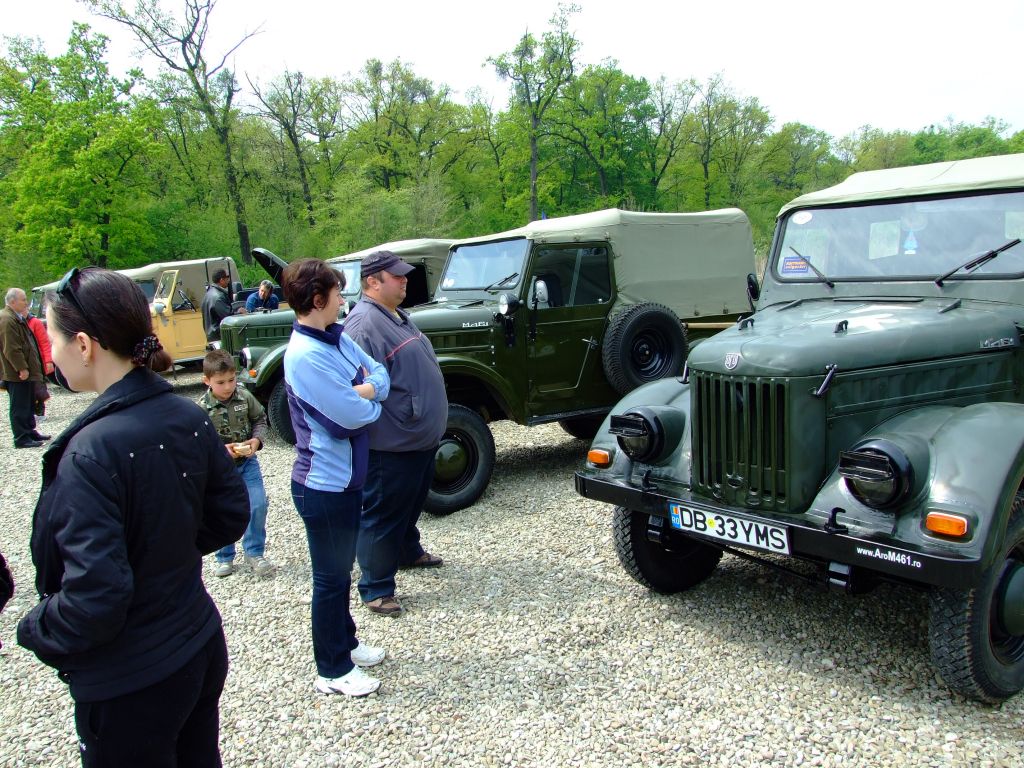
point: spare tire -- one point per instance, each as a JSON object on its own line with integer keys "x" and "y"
{"x": 644, "y": 342}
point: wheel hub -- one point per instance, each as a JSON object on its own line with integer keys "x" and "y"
{"x": 1010, "y": 599}
{"x": 450, "y": 461}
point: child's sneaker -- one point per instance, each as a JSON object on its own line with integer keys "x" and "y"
{"x": 224, "y": 569}
{"x": 260, "y": 565}
{"x": 364, "y": 655}
{"x": 355, "y": 683}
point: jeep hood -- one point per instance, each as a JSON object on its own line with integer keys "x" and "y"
{"x": 802, "y": 339}
{"x": 454, "y": 315}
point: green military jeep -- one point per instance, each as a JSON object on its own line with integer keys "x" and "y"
{"x": 556, "y": 320}
{"x": 868, "y": 418}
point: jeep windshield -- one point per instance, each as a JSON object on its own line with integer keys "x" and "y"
{"x": 350, "y": 269}
{"x": 904, "y": 240}
{"x": 490, "y": 266}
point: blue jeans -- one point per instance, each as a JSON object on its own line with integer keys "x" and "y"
{"x": 332, "y": 525}
{"x": 254, "y": 541}
{"x": 396, "y": 487}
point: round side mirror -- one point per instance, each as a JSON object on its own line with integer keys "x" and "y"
{"x": 540, "y": 292}
{"x": 159, "y": 307}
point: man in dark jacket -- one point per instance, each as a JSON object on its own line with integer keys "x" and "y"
{"x": 216, "y": 304}
{"x": 21, "y": 367}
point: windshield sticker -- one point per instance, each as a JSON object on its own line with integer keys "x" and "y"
{"x": 794, "y": 265}
{"x": 802, "y": 217}
{"x": 448, "y": 282}
{"x": 910, "y": 244}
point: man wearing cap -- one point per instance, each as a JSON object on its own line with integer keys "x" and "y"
{"x": 403, "y": 440}
{"x": 216, "y": 304}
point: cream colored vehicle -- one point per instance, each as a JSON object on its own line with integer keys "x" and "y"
{"x": 177, "y": 301}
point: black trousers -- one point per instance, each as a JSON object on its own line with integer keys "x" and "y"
{"x": 172, "y": 724}
{"x": 23, "y": 419}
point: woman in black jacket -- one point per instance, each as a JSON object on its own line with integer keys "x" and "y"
{"x": 135, "y": 491}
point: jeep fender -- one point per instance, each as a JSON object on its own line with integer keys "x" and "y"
{"x": 664, "y": 392}
{"x": 973, "y": 463}
{"x": 268, "y": 369}
{"x": 471, "y": 369}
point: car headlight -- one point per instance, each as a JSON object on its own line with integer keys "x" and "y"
{"x": 245, "y": 358}
{"x": 507, "y": 304}
{"x": 648, "y": 434}
{"x": 878, "y": 473}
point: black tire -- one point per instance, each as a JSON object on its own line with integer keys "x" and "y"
{"x": 663, "y": 569}
{"x": 976, "y": 654}
{"x": 278, "y": 414}
{"x": 644, "y": 342}
{"x": 464, "y": 463}
{"x": 582, "y": 427}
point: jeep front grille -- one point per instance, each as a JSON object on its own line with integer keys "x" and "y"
{"x": 739, "y": 439}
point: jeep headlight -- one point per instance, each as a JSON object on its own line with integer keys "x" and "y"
{"x": 648, "y": 434}
{"x": 878, "y": 473}
{"x": 245, "y": 358}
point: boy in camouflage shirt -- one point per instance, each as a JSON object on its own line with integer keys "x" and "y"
{"x": 242, "y": 424}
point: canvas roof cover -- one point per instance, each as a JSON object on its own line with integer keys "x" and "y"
{"x": 977, "y": 174}
{"x": 694, "y": 263}
{"x": 434, "y": 249}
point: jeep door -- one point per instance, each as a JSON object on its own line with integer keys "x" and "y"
{"x": 564, "y": 360}
{"x": 177, "y": 321}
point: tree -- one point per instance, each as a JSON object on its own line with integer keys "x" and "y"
{"x": 181, "y": 48}
{"x": 78, "y": 191}
{"x": 287, "y": 104}
{"x": 664, "y": 132}
{"x": 539, "y": 70}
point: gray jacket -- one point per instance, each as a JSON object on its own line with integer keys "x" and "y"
{"x": 416, "y": 411}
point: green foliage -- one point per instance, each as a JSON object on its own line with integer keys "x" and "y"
{"x": 102, "y": 171}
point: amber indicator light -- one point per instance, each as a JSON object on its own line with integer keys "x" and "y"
{"x": 947, "y": 525}
{"x": 599, "y": 457}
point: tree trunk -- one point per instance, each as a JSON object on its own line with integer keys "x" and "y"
{"x": 236, "y": 199}
{"x": 534, "y": 156}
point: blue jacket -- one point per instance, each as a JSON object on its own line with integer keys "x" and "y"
{"x": 135, "y": 491}
{"x": 320, "y": 369}
{"x": 254, "y": 302}
{"x": 416, "y": 413}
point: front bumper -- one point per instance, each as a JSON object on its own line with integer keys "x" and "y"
{"x": 808, "y": 540}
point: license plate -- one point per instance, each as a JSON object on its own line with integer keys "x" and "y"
{"x": 730, "y": 530}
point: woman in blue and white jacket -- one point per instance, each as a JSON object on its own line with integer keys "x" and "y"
{"x": 334, "y": 392}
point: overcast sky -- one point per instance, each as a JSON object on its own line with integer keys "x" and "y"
{"x": 893, "y": 64}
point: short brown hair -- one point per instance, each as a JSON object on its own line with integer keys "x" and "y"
{"x": 217, "y": 361}
{"x": 303, "y": 280}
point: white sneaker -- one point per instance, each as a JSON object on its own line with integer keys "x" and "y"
{"x": 364, "y": 655}
{"x": 355, "y": 683}
{"x": 261, "y": 567}
{"x": 224, "y": 569}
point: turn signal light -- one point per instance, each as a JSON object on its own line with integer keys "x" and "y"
{"x": 946, "y": 524}
{"x": 252, "y": 372}
{"x": 599, "y": 457}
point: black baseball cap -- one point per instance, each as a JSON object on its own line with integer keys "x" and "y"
{"x": 383, "y": 261}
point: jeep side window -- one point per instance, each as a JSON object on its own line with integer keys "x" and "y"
{"x": 574, "y": 276}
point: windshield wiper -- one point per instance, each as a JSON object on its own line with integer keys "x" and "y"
{"x": 977, "y": 261}
{"x": 501, "y": 282}
{"x": 818, "y": 272}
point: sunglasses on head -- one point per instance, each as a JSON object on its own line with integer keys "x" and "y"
{"x": 67, "y": 291}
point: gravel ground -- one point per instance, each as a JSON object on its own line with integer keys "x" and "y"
{"x": 531, "y": 647}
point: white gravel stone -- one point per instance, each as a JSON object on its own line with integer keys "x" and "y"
{"x": 531, "y": 647}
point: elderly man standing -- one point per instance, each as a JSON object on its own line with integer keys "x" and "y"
{"x": 22, "y": 368}
{"x": 264, "y": 299}
{"x": 216, "y": 304}
{"x": 404, "y": 440}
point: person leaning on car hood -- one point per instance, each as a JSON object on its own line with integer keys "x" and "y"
{"x": 263, "y": 299}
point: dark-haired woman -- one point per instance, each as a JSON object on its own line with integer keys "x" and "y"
{"x": 334, "y": 389}
{"x": 135, "y": 491}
